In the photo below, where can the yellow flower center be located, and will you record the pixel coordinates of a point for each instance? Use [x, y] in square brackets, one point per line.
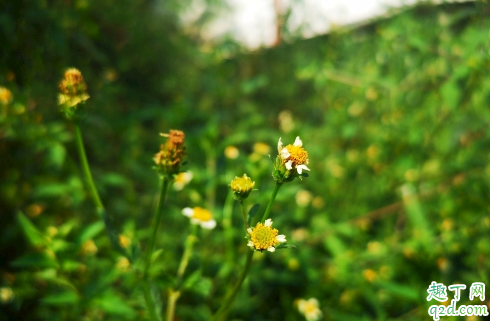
[202, 214]
[297, 154]
[263, 237]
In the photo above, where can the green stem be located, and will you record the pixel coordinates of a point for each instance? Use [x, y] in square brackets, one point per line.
[155, 224]
[244, 215]
[229, 299]
[86, 168]
[273, 197]
[174, 294]
[111, 232]
[149, 250]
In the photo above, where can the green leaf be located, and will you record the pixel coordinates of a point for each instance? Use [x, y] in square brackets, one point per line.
[32, 234]
[192, 279]
[51, 190]
[202, 286]
[156, 254]
[67, 297]
[91, 231]
[56, 155]
[113, 304]
[450, 94]
[51, 276]
[37, 260]
[404, 291]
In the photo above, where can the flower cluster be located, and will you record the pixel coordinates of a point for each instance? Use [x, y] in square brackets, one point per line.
[264, 237]
[73, 91]
[171, 154]
[291, 161]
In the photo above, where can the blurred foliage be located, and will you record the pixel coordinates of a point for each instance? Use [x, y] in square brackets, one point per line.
[394, 115]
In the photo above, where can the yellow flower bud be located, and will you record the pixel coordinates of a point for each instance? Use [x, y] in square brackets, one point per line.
[241, 187]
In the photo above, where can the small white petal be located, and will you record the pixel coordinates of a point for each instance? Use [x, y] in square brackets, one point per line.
[251, 244]
[279, 145]
[271, 249]
[189, 212]
[268, 222]
[249, 231]
[208, 225]
[284, 153]
[298, 142]
[281, 238]
[300, 168]
[289, 165]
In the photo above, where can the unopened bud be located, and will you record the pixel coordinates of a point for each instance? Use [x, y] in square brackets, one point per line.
[241, 187]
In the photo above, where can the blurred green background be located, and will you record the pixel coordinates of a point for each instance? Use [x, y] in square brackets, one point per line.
[394, 115]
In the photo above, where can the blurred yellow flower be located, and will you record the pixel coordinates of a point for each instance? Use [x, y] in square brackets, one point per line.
[303, 198]
[286, 122]
[6, 295]
[309, 308]
[52, 231]
[34, 210]
[123, 264]
[200, 216]
[370, 275]
[261, 148]
[89, 248]
[124, 241]
[5, 96]
[264, 237]
[182, 179]
[231, 152]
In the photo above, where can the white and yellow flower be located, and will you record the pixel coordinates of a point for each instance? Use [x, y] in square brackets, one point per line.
[200, 216]
[310, 309]
[264, 237]
[294, 156]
